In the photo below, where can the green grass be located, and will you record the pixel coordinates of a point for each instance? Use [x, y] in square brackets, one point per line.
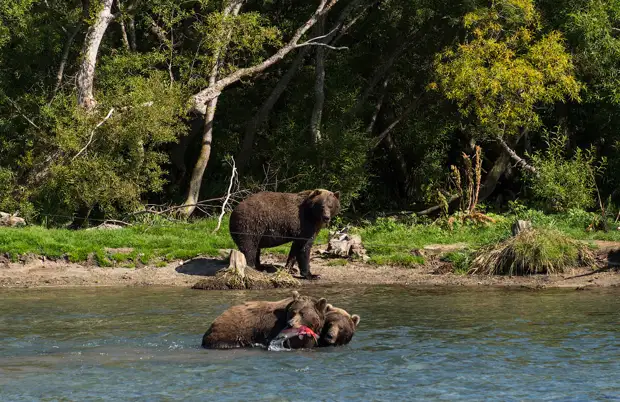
[164, 242]
[387, 241]
[461, 260]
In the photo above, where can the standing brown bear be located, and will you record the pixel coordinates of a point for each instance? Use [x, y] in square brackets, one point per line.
[269, 219]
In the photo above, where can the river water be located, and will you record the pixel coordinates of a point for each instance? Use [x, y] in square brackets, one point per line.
[412, 344]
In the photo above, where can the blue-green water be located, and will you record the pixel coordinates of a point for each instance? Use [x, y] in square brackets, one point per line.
[412, 344]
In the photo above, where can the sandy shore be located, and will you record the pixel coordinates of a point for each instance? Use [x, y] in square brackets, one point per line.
[44, 273]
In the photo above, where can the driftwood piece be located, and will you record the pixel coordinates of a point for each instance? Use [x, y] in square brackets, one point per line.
[11, 220]
[345, 245]
[521, 226]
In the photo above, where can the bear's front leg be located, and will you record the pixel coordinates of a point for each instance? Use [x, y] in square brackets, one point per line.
[303, 259]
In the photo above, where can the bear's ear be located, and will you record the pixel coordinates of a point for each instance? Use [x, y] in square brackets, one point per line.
[337, 195]
[356, 319]
[329, 307]
[321, 305]
[296, 295]
[315, 193]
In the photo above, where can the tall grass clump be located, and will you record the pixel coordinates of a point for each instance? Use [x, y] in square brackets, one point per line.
[537, 251]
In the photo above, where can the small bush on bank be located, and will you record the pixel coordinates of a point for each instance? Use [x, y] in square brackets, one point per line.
[538, 251]
[563, 184]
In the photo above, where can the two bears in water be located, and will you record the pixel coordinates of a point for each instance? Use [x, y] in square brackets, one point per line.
[260, 322]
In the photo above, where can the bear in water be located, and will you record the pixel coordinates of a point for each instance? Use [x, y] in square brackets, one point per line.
[258, 322]
[339, 327]
[269, 219]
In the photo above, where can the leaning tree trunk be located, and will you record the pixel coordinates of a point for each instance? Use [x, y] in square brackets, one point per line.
[86, 73]
[193, 192]
[519, 160]
[319, 87]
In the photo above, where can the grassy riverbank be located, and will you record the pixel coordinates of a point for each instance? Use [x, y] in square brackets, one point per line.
[387, 241]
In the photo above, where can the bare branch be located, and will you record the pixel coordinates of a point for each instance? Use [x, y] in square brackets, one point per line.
[309, 41]
[201, 98]
[22, 114]
[92, 133]
[322, 45]
[232, 180]
[378, 107]
[345, 28]
[412, 106]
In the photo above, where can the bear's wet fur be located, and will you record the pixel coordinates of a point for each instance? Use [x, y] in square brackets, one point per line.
[269, 219]
[258, 322]
[338, 330]
[339, 327]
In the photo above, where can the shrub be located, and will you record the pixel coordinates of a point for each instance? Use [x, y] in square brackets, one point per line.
[564, 184]
[538, 251]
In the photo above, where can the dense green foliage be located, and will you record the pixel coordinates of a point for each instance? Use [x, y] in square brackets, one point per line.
[409, 86]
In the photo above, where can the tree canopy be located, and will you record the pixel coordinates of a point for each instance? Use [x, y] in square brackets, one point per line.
[109, 105]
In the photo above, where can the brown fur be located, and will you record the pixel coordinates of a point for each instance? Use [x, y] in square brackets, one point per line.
[258, 322]
[269, 219]
[339, 327]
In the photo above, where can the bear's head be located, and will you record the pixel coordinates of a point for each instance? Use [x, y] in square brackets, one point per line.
[305, 310]
[324, 205]
[339, 327]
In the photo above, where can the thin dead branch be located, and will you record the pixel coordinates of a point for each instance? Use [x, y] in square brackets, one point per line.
[92, 133]
[233, 175]
[412, 107]
[19, 110]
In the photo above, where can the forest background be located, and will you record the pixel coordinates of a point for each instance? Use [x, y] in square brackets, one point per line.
[112, 108]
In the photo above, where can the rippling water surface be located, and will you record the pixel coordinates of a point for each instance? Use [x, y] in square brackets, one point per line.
[422, 344]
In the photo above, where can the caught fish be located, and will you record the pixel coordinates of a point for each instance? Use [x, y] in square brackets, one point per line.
[294, 338]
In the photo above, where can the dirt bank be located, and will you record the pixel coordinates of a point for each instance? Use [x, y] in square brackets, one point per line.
[45, 273]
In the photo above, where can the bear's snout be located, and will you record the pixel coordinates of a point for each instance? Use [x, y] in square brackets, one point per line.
[326, 218]
[294, 322]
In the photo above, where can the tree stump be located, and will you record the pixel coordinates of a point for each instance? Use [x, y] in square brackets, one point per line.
[521, 226]
[237, 263]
